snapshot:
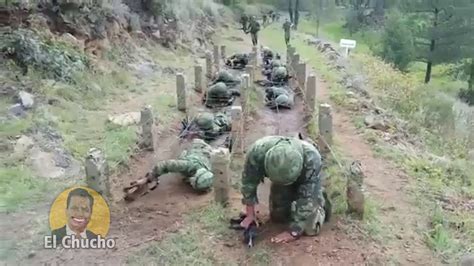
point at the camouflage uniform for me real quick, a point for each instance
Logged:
(209, 126)
(287, 28)
(254, 28)
(244, 20)
(279, 97)
(293, 166)
(194, 164)
(237, 61)
(227, 78)
(219, 95)
(279, 75)
(267, 56)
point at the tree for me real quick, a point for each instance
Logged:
(297, 13)
(397, 41)
(443, 27)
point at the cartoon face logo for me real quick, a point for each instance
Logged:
(79, 211)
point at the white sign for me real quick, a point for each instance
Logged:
(347, 43)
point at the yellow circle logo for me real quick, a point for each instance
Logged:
(79, 211)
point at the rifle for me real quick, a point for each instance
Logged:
(250, 233)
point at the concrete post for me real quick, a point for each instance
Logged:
(311, 94)
(294, 62)
(181, 92)
(290, 51)
(146, 122)
(244, 89)
(250, 71)
(354, 191)
(209, 68)
(216, 57)
(223, 52)
(198, 78)
(325, 127)
(97, 172)
(301, 76)
(237, 127)
(220, 159)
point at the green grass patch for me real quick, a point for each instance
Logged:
(18, 188)
(15, 127)
(118, 144)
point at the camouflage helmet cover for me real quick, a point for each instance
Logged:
(276, 63)
(224, 75)
(280, 72)
(205, 120)
(202, 180)
(219, 87)
(284, 162)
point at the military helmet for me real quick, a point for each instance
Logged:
(219, 87)
(276, 63)
(282, 100)
(279, 72)
(284, 162)
(224, 75)
(205, 121)
(202, 180)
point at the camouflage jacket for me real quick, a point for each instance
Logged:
(279, 97)
(309, 182)
(220, 125)
(254, 27)
(190, 160)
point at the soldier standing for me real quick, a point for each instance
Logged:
(254, 28)
(296, 196)
(244, 20)
(287, 28)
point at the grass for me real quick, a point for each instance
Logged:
(194, 244)
(18, 188)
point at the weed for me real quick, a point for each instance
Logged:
(18, 188)
(118, 144)
(15, 127)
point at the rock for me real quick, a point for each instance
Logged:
(398, 236)
(375, 122)
(7, 91)
(26, 99)
(73, 41)
(112, 28)
(5, 145)
(467, 260)
(31, 254)
(135, 23)
(126, 119)
(17, 110)
(156, 35)
(43, 164)
(22, 146)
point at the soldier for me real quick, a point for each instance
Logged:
(237, 61)
(219, 95)
(296, 195)
(227, 78)
(279, 76)
(268, 69)
(194, 164)
(244, 19)
(279, 97)
(254, 28)
(287, 28)
(206, 126)
(264, 20)
(267, 56)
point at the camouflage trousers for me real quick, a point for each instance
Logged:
(284, 206)
(186, 168)
(287, 38)
(254, 38)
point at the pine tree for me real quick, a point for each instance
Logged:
(445, 30)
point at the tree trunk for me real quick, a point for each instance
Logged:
(471, 76)
(290, 9)
(429, 65)
(297, 13)
(379, 8)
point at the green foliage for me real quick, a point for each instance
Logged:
(397, 42)
(53, 60)
(18, 187)
(118, 144)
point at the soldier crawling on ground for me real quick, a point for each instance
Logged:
(193, 164)
(279, 97)
(219, 95)
(277, 76)
(227, 78)
(237, 61)
(206, 126)
(296, 195)
(268, 56)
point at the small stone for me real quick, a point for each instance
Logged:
(26, 99)
(309, 249)
(375, 122)
(126, 119)
(229, 244)
(31, 254)
(17, 110)
(22, 146)
(398, 236)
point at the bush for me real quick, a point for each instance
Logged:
(53, 60)
(397, 42)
